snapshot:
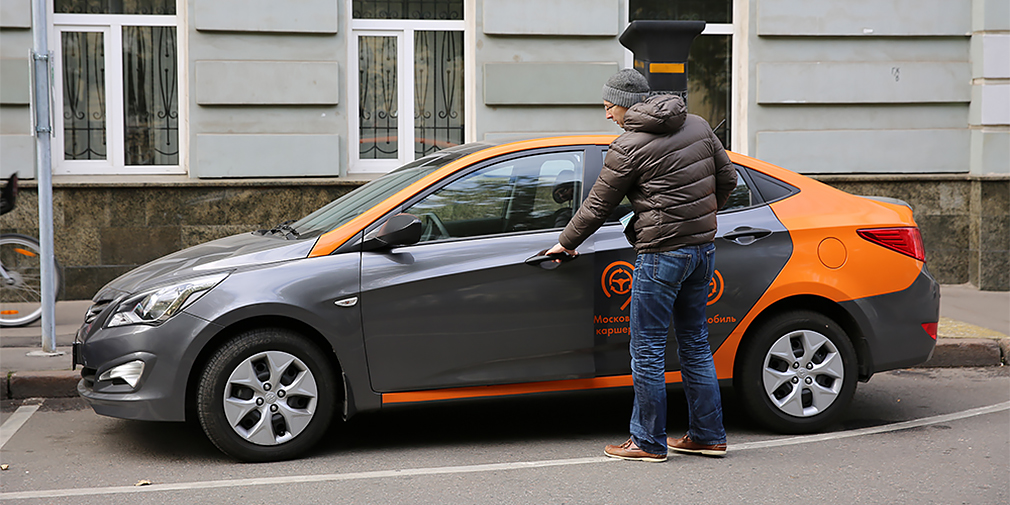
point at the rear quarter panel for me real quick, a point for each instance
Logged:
(817, 217)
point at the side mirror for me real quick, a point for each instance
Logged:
(401, 229)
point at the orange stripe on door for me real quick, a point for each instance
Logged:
(516, 389)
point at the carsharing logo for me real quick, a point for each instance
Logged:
(618, 276)
(616, 280)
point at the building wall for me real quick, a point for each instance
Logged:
(908, 98)
(266, 88)
(892, 78)
(540, 66)
(989, 115)
(17, 146)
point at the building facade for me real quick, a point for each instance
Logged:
(178, 121)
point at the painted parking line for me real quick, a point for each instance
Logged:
(904, 425)
(492, 467)
(15, 422)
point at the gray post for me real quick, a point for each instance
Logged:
(43, 135)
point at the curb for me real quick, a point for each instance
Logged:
(949, 352)
(45, 384)
(968, 352)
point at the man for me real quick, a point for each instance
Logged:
(677, 175)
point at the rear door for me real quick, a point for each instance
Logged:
(461, 308)
(752, 246)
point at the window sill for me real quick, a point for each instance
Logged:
(162, 181)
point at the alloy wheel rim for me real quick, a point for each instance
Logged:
(803, 373)
(270, 398)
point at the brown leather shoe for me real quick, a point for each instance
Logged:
(685, 444)
(629, 450)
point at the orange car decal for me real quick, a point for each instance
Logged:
(616, 280)
(330, 241)
(868, 270)
(715, 288)
(516, 389)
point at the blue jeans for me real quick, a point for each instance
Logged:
(673, 286)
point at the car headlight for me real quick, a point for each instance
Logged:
(156, 306)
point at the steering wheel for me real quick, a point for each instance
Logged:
(433, 227)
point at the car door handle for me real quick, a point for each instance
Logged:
(745, 235)
(546, 261)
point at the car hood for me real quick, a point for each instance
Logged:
(228, 253)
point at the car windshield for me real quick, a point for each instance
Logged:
(351, 205)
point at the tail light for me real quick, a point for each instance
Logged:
(906, 240)
(931, 329)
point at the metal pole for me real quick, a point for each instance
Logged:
(43, 136)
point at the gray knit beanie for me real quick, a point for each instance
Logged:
(626, 88)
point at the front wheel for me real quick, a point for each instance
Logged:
(21, 280)
(266, 395)
(798, 372)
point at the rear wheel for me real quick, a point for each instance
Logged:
(798, 372)
(266, 395)
(21, 280)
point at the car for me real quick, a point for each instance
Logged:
(430, 283)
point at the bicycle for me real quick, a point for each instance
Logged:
(20, 269)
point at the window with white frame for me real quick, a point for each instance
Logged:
(406, 80)
(710, 60)
(117, 80)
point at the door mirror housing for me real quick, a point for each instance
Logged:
(401, 229)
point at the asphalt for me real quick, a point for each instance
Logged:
(974, 330)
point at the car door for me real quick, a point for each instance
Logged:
(752, 246)
(461, 308)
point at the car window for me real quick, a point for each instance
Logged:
(351, 205)
(741, 197)
(520, 194)
(770, 188)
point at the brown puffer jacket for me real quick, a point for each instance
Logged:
(673, 169)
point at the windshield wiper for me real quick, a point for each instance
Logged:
(285, 228)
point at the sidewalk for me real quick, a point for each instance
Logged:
(974, 330)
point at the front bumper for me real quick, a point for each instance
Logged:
(891, 324)
(167, 352)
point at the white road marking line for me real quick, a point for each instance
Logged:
(15, 422)
(492, 467)
(904, 425)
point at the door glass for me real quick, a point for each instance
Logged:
(740, 198)
(150, 95)
(438, 91)
(407, 9)
(377, 98)
(523, 194)
(84, 96)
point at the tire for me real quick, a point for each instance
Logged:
(798, 373)
(21, 283)
(266, 395)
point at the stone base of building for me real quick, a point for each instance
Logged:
(964, 220)
(104, 230)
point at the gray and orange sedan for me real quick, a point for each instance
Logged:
(428, 284)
